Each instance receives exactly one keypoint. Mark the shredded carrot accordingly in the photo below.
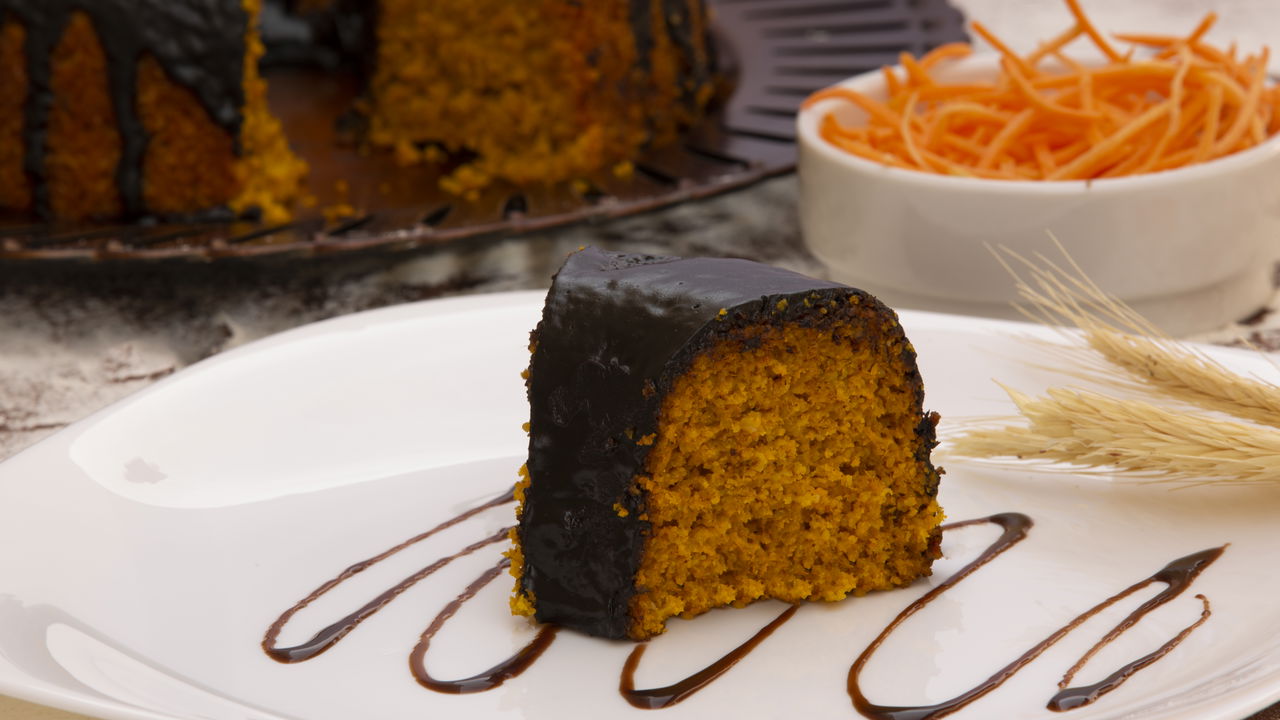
(1183, 102)
(1038, 101)
(1069, 61)
(908, 137)
(1003, 49)
(916, 74)
(873, 108)
(1086, 91)
(1175, 116)
(1194, 37)
(891, 80)
(962, 143)
(1148, 39)
(1054, 45)
(1247, 110)
(1005, 137)
(1209, 19)
(1044, 158)
(1083, 166)
(950, 51)
(1083, 21)
(935, 93)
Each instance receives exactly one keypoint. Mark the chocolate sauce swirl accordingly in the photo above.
(663, 697)
(494, 676)
(1016, 526)
(1178, 575)
(331, 634)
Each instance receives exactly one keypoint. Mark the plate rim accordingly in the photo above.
(27, 689)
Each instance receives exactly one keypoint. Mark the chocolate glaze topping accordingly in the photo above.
(640, 17)
(617, 331)
(200, 45)
(680, 28)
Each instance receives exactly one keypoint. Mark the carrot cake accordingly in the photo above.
(132, 108)
(711, 432)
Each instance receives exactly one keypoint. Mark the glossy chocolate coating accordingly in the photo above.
(678, 25)
(201, 45)
(616, 332)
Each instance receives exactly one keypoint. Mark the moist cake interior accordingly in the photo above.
(784, 467)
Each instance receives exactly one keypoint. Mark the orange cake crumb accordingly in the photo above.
(84, 143)
(786, 471)
(538, 91)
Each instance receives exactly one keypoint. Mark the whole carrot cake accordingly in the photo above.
(710, 432)
(132, 108)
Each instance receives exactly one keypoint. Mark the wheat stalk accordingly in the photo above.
(1092, 430)
(1097, 431)
(1145, 356)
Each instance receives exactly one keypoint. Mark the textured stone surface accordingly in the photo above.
(74, 339)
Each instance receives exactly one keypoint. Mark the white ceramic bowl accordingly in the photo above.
(1191, 248)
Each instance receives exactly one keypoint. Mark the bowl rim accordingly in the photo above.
(873, 81)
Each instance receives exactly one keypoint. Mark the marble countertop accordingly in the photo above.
(75, 338)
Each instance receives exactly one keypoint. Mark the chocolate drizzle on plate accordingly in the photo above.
(663, 697)
(332, 633)
(1177, 576)
(1015, 526)
(494, 676)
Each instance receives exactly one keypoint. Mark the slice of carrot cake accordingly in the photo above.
(710, 432)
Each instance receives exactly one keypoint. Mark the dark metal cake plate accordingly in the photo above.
(775, 53)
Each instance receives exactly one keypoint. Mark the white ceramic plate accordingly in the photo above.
(144, 551)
